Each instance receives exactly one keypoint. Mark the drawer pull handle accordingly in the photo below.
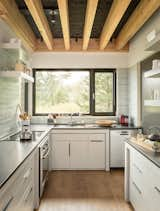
(137, 188)
(157, 189)
(28, 195)
(69, 150)
(139, 170)
(27, 174)
(96, 141)
(124, 134)
(8, 203)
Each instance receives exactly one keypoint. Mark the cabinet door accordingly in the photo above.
(78, 154)
(97, 154)
(117, 151)
(60, 154)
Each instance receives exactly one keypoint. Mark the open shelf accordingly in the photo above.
(152, 102)
(16, 74)
(154, 73)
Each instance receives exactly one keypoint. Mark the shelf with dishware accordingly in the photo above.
(152, 103)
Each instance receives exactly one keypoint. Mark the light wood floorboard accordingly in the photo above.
(85, 191)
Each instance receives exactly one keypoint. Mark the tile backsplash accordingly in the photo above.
(9, 99)
(8, 59)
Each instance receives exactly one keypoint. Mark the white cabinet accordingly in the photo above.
(60, 154)
(78, 150)
(18, 192)
(79, 154)
(117, 140)
(142, 185)
(97, 151)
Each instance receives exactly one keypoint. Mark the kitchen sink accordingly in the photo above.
(81, 125)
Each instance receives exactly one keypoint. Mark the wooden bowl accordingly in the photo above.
(105, 123)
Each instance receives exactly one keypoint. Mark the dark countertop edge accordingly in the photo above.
(34, 148)
(142, 151)
(125, 128)
(6, 180)
(118, 127)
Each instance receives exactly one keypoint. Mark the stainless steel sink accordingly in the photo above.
(76, 125)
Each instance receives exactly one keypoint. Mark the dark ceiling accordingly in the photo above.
(77, 9)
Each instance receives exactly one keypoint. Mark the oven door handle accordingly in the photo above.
(45, 155)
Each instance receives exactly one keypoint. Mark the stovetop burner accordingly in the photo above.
(17, 136)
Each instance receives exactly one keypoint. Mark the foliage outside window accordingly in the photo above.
(74, 91)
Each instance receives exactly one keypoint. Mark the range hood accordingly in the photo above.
(152, 73)
(154, 44)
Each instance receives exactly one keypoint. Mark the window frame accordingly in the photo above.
(91, 90)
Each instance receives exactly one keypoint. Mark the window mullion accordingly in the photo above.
(92, 92)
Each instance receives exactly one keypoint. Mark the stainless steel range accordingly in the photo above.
(43, 163)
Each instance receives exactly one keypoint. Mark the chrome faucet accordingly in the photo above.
(71, 118)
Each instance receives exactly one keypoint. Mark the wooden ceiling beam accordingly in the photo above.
(64, 16)
(76, 46)
(89, 19)
(36, 9)
(12, 16)
(116, 13)
(141, 14)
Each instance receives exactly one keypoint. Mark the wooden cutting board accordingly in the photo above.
(105, 122)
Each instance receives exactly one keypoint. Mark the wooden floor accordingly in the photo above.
(85, 191)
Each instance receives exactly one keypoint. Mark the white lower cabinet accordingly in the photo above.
(78, 150)
(117, 147)
(60, 154)
(97, 154)
(18, 193)
(79, 155)
(142, 184)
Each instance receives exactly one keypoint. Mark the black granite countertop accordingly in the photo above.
(14, 153)
(152, 156)
(94, 126)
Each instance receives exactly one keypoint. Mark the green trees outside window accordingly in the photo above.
(74, 91)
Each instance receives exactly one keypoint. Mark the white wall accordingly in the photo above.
(137, 53)
(89, 60)
(122, 91)
(79, 60)
(134, 95)
(138, 44)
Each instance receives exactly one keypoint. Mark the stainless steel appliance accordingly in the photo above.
(44, 164)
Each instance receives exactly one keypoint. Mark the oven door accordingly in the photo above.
(44, 165)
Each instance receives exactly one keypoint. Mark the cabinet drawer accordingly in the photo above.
(13, 190)
(26, 202)
(139, 161)
(70, 137)
(136, 196)
(78, 137)
(97, 137)
(137, 175)
(59, 137)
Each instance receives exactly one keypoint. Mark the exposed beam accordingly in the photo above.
(89, 19)
(11, 15)
(116, 12)
(63, 10)
(141, 14)
(36, 9)
(76, 46)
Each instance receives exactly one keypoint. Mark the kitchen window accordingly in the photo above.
(74, 91)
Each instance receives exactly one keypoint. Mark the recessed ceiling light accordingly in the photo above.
(53, 21)
(51, 12)
(56, 11)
